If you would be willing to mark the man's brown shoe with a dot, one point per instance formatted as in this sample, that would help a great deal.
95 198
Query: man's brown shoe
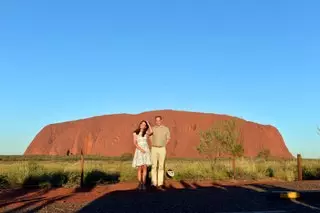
161 187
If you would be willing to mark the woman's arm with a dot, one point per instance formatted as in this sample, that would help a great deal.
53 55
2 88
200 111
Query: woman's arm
150 131
136 144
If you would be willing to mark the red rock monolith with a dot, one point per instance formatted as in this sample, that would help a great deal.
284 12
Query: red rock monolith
111 135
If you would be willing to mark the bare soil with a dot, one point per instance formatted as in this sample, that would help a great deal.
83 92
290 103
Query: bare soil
112 198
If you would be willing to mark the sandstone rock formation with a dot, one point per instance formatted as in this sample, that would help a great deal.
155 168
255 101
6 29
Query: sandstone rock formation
111 135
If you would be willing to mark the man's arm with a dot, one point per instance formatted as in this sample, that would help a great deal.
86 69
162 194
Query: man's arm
168 135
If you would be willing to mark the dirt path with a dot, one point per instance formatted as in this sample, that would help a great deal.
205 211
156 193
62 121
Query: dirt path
185 196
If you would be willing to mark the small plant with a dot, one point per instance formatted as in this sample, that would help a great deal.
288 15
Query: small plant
4 183
97 177
73 179
33 167
310 173
264 154
270 172
126 157
58 179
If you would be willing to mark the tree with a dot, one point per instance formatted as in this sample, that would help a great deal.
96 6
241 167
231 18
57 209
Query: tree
222 138
209 146
230 138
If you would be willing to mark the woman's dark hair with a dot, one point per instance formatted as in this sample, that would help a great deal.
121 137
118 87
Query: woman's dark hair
137 131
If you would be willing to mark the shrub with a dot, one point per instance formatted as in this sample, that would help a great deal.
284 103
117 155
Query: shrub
96 177
269 172
4 183
126 157
310 173
264 154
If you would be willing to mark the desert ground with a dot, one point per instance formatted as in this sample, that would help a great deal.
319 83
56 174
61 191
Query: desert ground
178 196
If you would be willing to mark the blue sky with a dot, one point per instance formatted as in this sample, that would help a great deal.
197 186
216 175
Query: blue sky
63 60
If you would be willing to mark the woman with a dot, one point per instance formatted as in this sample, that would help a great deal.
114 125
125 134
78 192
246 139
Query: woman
142 157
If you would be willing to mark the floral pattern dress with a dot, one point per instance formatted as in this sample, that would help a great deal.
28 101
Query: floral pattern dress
139 157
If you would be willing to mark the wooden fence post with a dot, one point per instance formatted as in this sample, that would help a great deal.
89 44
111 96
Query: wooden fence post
81 168
234 167
299 165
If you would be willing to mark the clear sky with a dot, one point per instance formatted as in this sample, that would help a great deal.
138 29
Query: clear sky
62 60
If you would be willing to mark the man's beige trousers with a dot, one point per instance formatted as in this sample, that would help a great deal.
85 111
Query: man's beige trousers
158 155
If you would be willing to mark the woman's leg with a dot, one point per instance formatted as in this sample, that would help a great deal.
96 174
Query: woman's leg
144 173
139 174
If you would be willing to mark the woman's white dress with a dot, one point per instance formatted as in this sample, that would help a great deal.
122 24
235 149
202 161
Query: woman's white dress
140 158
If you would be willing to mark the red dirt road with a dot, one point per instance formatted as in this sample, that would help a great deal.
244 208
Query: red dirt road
184 195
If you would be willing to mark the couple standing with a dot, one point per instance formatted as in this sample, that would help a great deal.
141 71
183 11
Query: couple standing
143 157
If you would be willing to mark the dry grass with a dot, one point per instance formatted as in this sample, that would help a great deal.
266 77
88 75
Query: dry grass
57 172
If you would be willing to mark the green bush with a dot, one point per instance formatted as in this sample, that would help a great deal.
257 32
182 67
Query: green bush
4 183
269 172
309 173
126 157
96 177
74 179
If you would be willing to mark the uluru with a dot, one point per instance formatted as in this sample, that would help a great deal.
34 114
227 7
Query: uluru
111 135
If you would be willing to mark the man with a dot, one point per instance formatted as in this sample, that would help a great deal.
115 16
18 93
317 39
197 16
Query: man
160 138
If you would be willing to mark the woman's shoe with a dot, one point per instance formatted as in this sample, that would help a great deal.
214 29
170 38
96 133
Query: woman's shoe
144 187
140 186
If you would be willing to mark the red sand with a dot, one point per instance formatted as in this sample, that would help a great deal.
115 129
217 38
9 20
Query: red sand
14 198
111 135
32 198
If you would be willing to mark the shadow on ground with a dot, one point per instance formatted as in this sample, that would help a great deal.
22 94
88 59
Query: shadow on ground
32 196
56 179
195 198
176 197
97 177
37 185
36 204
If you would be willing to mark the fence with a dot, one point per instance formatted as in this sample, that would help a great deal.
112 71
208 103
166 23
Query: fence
299 168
